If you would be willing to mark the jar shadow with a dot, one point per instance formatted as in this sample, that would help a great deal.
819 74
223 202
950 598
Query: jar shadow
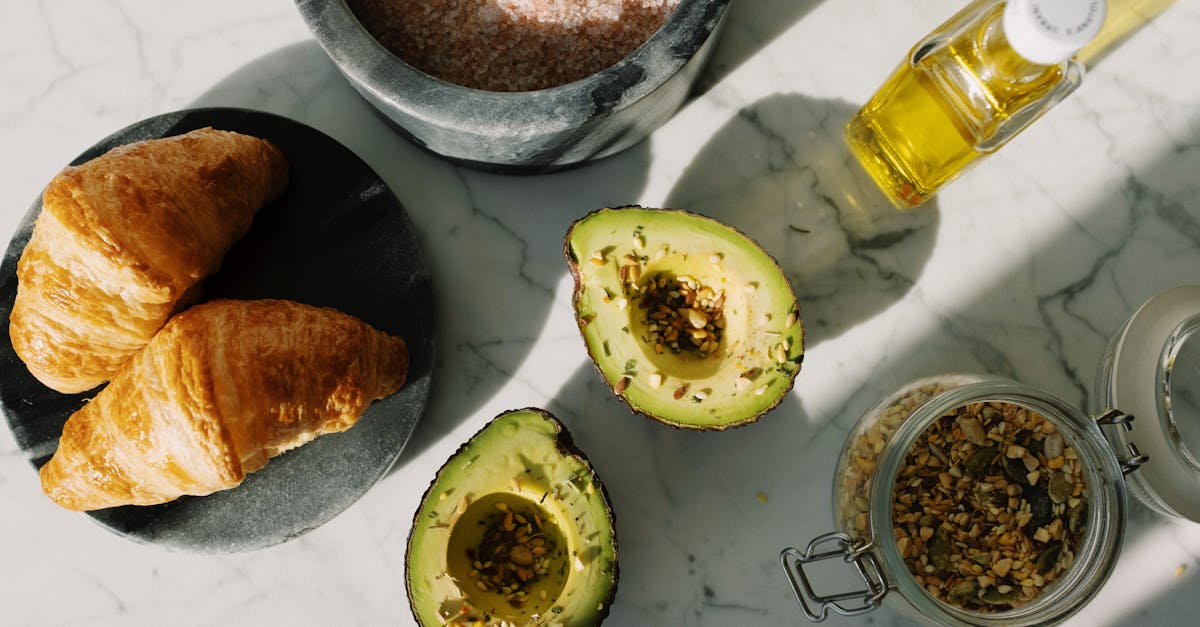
781 172
494 282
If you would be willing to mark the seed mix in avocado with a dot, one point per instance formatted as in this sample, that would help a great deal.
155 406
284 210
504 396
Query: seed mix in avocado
689 321
516 529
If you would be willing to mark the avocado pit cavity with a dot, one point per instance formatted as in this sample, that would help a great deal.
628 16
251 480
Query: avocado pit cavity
688 321
508 556
680 315
677 308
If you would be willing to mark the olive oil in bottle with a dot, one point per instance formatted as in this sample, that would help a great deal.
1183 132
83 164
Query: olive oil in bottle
968 88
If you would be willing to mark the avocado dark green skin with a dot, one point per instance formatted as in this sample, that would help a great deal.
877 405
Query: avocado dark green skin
567 447
577 293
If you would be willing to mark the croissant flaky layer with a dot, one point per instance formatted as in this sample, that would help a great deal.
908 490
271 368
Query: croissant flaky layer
123 238
222 388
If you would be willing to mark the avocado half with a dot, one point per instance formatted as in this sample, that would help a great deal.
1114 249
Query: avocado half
689 321
516 529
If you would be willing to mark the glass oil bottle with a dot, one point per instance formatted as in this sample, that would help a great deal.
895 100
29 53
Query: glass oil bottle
969 87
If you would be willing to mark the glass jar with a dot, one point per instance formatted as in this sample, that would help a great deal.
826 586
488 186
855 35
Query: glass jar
1152 367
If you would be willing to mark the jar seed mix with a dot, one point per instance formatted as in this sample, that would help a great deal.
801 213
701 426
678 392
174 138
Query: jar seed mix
989 506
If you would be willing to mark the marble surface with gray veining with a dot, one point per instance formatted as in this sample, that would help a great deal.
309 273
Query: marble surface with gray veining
1023 268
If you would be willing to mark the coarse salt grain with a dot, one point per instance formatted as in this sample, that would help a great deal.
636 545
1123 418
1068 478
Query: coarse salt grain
504 45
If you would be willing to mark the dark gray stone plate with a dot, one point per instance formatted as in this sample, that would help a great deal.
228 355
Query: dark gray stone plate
339 238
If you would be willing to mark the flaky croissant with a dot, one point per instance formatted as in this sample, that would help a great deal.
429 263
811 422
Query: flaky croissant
222 388
123 238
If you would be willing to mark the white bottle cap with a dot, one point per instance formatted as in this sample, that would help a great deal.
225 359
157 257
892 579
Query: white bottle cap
1050 31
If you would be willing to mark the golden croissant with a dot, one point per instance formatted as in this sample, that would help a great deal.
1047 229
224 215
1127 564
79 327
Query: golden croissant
123 239
222 388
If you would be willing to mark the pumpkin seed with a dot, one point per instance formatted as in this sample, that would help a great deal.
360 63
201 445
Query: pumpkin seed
1060 487
1048 558
1015 470
981 460
1040 506
993 596
961 591
1077 518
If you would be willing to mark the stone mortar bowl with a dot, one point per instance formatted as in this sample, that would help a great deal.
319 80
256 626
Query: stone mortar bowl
533 131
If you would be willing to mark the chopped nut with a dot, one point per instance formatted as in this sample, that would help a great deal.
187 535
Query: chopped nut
973 430
623 383
1052 446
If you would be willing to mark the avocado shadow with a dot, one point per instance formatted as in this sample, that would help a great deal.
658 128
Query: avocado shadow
485 235
780 171
655 473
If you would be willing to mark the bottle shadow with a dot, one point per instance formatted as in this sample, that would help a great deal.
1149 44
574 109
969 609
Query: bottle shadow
781 172
493 283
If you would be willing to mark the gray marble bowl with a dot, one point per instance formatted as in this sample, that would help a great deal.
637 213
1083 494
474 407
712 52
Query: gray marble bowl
533 131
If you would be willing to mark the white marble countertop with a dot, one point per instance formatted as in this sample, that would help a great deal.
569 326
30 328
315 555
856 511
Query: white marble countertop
1023 268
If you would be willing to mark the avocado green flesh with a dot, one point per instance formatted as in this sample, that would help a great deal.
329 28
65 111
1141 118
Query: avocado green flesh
520 463
762 339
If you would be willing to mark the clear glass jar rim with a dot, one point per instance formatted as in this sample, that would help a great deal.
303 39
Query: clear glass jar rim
1134 376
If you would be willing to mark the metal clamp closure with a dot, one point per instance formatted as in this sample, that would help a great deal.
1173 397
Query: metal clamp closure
852 551
1116 417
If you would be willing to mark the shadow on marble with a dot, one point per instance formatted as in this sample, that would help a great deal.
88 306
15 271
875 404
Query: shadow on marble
701 517
494 241
489 338
688 504
780 171
750 27
1047 320
1071 293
